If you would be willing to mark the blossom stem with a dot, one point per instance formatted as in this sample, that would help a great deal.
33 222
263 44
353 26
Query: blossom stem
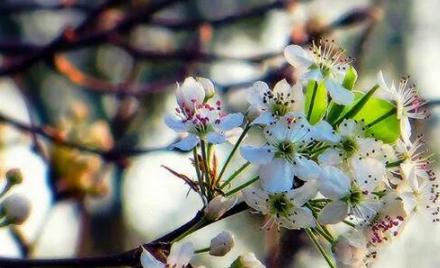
319 248
203 250
197 166
190 230
206 172
244 185
322 230
234 175
234 149
382 117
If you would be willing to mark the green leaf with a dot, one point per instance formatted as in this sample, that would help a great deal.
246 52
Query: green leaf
380 117
349 82
358 105
316 101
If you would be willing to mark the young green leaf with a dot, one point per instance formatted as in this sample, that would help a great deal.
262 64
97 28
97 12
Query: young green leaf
316 101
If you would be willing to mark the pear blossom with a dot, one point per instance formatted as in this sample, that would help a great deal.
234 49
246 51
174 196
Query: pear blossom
351 144
322 62
15 209
350 249
180 256
283 156
219 205
222 244
199 119
271 104
285 209
354 197
408 103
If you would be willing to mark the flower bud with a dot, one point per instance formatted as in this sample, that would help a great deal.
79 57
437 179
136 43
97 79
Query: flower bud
349 250
247 261
208 86
222 244
14 176
218 206
15 208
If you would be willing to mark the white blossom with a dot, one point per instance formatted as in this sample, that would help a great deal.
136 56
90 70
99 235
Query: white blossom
282 157
222 244
323 62
180 256
198 119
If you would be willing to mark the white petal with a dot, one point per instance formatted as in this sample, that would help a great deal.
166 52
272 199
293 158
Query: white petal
264 118
175 124
349 128
149 261
314 75
304 193
231 121
369 146
333 212
276 176
257 155
297 56
255 95
339 94
323 131
306 169
256 199
405 130
368 172
366 211
408 171
216 138
192 91
233 134
180 254
282 87
187 143
334 183
330 157
207 85
302 218
298 96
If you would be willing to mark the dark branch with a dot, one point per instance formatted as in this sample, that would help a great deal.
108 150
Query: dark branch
18 7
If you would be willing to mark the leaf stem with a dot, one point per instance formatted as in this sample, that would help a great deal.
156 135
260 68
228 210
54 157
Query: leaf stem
234 175
197 167
244 185
234 149
319 248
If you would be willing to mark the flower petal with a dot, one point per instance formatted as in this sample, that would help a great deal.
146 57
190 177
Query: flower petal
264 118
230 121
330 157
256 92
301 218
304 193
333 212
149 261
256 199
334 183
408 171
257 155
187 143
282 87
175 124
339 94
276 176
349 128
297 56
192 91
314 74
323 131
216 138
368 172
306 169
405 130
180 254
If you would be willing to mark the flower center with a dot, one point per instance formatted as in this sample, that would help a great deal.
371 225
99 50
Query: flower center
349 146
354 197
285 149
280 205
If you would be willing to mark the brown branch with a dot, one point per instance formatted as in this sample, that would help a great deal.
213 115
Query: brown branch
114 154
128 258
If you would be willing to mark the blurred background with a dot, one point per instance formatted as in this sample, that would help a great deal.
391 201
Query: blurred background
85 85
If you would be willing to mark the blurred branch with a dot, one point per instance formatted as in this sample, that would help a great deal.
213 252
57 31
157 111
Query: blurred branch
75 38
18 7
195 23
128 258
113 154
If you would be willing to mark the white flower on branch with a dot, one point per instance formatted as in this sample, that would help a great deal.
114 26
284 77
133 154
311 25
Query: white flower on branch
285 209
270 104
180 256
222 244
198 119
282 157
323 62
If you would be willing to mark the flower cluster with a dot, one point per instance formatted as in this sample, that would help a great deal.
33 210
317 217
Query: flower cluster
330 154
